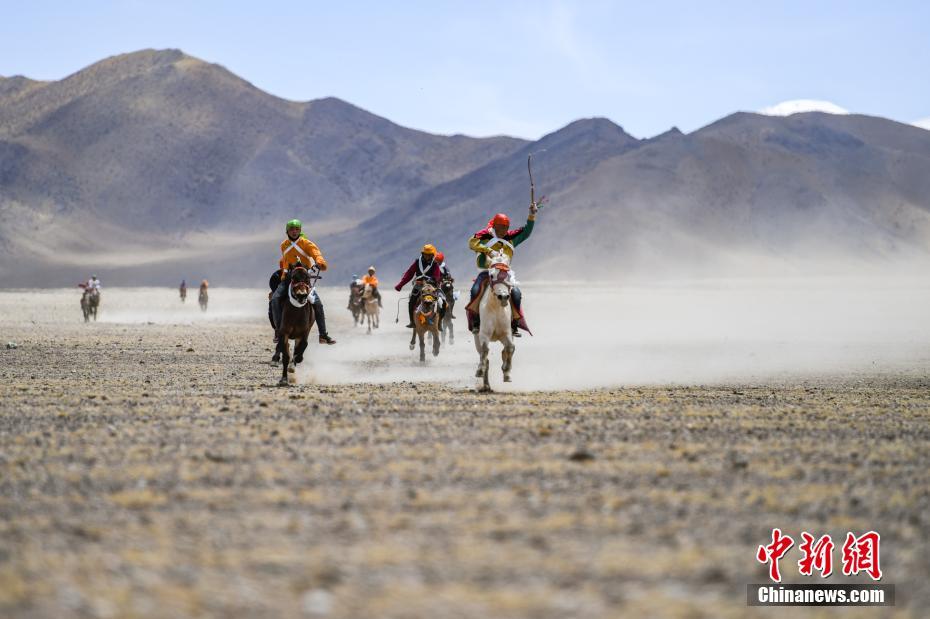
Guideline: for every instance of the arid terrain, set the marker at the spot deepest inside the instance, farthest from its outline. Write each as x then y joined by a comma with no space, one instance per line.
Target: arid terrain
149,466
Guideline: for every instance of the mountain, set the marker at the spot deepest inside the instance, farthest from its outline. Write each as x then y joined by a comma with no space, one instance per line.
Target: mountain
147,149
152,166
794,193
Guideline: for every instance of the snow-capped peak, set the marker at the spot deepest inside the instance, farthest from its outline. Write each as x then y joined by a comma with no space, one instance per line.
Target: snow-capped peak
796,106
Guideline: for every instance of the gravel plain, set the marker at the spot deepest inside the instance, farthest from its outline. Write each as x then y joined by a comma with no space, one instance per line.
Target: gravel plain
151,468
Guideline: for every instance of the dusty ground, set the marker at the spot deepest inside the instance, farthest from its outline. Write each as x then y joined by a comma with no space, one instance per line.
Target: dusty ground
153,470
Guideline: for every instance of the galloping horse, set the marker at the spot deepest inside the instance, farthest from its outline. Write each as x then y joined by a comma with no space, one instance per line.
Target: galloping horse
90,301
204,298
448,291
495,312
426,319
297,318
370,307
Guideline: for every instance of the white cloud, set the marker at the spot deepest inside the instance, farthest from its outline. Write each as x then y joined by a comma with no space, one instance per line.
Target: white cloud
923,123
787,108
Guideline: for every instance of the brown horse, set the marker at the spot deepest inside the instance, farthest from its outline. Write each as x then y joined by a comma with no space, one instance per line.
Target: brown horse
90,301
296,319
426,319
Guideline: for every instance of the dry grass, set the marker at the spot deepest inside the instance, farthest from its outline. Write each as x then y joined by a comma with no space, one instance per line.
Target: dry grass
141,480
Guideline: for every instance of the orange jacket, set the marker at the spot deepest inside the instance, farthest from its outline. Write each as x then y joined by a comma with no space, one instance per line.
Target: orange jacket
370,279
303,249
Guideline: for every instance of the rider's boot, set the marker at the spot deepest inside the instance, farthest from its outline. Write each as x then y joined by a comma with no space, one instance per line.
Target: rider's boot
321,322
515,329
473,321
411,305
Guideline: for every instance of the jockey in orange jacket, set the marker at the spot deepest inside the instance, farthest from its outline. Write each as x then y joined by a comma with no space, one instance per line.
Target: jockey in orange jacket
296,247
372,281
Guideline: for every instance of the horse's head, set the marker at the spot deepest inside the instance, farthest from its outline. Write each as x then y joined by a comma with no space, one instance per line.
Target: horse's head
500,276
300,283
427,298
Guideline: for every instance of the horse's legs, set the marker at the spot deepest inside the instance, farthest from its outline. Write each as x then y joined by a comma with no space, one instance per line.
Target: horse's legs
484,368
413,339
435,334
507,357
299,349
284,347
422,336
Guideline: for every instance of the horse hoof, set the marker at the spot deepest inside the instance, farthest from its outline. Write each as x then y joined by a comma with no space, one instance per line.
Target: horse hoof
298,359
283,383
412,347
290,369
506,379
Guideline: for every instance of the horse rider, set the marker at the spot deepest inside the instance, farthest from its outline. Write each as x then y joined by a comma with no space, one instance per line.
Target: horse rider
204,284
444,273
355,287
183,288
424,267
93,284
298,248
498,237
372,281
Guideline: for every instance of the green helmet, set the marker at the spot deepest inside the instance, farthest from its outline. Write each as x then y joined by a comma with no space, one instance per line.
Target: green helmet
294,223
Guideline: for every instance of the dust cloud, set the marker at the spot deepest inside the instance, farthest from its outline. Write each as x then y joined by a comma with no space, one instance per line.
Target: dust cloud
588,336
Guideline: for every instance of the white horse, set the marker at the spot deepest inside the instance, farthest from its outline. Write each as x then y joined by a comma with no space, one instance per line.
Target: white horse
495,317
370,307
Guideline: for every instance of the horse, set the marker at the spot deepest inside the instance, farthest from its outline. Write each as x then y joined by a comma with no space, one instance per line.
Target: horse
356,304
495,315
90,301
426,319
448,290
370,307
204,298
297,318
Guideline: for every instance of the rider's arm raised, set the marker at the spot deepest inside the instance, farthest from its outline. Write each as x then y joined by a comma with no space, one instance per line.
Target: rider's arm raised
521,234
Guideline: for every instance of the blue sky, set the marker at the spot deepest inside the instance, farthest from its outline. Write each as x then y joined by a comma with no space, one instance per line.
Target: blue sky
517,68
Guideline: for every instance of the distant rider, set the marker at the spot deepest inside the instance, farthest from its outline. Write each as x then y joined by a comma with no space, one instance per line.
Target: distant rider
354,289
498,237
424,267
296,247
372,281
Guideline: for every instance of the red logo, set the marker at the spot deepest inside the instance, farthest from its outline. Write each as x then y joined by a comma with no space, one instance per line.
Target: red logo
773,552
817,556
860,554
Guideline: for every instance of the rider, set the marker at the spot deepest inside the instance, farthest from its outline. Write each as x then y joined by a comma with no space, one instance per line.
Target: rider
354,288
423,267
204,284
298,248
497,236
93,284
372,281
